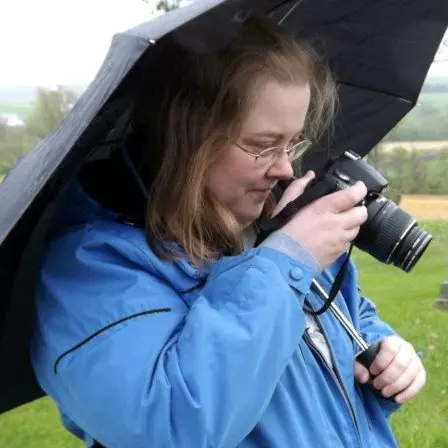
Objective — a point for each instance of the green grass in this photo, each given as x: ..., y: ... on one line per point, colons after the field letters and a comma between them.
x: 35, y: 425
x: 404, y: 300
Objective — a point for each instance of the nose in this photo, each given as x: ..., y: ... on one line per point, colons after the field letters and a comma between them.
x: 281, y: 169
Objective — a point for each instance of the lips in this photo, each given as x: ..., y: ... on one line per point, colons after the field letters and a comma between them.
x: 261, y: 193
x: 263, y: 189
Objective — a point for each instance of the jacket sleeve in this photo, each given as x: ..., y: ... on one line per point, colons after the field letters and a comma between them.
x: 373, y: 329
x: 155, y: 372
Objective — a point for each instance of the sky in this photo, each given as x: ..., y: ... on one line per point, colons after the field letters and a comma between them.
x: 48, y: 42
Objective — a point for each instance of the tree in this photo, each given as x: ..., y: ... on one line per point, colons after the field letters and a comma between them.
x: 14, y: 144
x: 417, y: 173
x: 52, y: 106
x: 375, y: 157
x: 166, y: 5
x: 427, y: 121
x: 396, y: 169
x: 437, y: 169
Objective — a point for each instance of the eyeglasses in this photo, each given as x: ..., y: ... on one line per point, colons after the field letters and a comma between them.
x: 267, y: 156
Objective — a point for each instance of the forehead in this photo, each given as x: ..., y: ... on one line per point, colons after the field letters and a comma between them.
x: 277, y: 108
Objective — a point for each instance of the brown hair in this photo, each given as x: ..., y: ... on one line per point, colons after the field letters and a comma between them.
x: 190, y: 106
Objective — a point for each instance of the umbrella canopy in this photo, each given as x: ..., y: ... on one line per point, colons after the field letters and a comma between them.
x: 380, y: 51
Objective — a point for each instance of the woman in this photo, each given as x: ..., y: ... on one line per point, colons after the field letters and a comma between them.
x: 179, y: 332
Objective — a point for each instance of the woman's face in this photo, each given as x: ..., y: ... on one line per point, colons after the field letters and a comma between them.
x: 236, y: 180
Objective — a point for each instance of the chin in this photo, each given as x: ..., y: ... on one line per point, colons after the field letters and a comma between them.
x: 246, y: 219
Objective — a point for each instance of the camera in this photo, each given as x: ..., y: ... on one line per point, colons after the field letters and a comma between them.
x: 389, y: 234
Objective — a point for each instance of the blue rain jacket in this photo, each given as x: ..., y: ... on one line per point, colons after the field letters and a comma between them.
x: 139, y: 352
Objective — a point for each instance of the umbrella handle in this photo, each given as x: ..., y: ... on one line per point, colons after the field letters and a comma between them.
x: 366, y: 358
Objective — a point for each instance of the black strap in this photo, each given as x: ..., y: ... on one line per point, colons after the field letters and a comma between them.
x: 336, y: 286
x: 314, y: 191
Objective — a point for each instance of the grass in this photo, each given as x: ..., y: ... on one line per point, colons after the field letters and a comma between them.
x: 404, y: 300
x: 35, y: 425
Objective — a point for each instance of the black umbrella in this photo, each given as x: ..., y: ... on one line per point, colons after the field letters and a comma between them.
x: 380, y: 51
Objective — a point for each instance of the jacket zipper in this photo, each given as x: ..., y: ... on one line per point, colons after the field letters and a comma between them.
x: 334, y: 373
x: 364, y: 402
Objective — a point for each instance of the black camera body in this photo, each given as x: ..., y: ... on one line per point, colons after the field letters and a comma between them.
x: 390, y: 234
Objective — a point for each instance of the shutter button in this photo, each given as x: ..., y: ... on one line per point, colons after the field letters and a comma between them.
x: 296, y: 273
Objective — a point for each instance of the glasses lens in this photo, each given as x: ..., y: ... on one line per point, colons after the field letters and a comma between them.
x: 298, y: 149
x: 268, y: 156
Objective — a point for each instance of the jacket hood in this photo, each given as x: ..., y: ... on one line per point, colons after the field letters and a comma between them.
x: 78, y: 208
x: 104, y: 190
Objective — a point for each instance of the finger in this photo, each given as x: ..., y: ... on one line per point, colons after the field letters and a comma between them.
x: 402, y: 382
x: 388, y: 349
x: 361, y: 373
x: 399, y: 365
x: 415, y: 387
x: 350, y: 235
x: 344, y: 199
x: 294, y: 190
x: 354, y: 217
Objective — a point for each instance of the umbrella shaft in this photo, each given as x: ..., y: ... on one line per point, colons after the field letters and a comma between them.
x: 347, y: 325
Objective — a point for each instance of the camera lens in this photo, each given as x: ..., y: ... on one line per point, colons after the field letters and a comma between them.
x: 391, y: 235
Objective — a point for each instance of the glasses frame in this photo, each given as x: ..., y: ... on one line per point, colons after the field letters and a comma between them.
x: 278, y: 151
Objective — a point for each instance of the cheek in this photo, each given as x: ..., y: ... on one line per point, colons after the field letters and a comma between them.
x: 234, y: 171
x: 225, y: 183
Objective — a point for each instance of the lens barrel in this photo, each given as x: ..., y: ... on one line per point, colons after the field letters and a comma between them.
x: 391, y: 235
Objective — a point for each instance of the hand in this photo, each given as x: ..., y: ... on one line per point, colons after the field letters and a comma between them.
x: 294, y: 190
x: 326, y: 226
x: 397, y: 370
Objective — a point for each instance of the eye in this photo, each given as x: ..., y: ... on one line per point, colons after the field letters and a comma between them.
x: 260, y: 146
x: 266, y: 145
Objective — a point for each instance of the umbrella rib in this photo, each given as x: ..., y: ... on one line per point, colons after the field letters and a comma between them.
x: 383, y: 92
x: 291, y: 10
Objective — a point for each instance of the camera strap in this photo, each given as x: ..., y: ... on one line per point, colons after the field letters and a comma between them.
x: 336, y: 286
x: 314, y: 191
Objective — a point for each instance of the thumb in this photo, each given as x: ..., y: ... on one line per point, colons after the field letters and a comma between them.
x: 361, y: 373
x: 294, y: 190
